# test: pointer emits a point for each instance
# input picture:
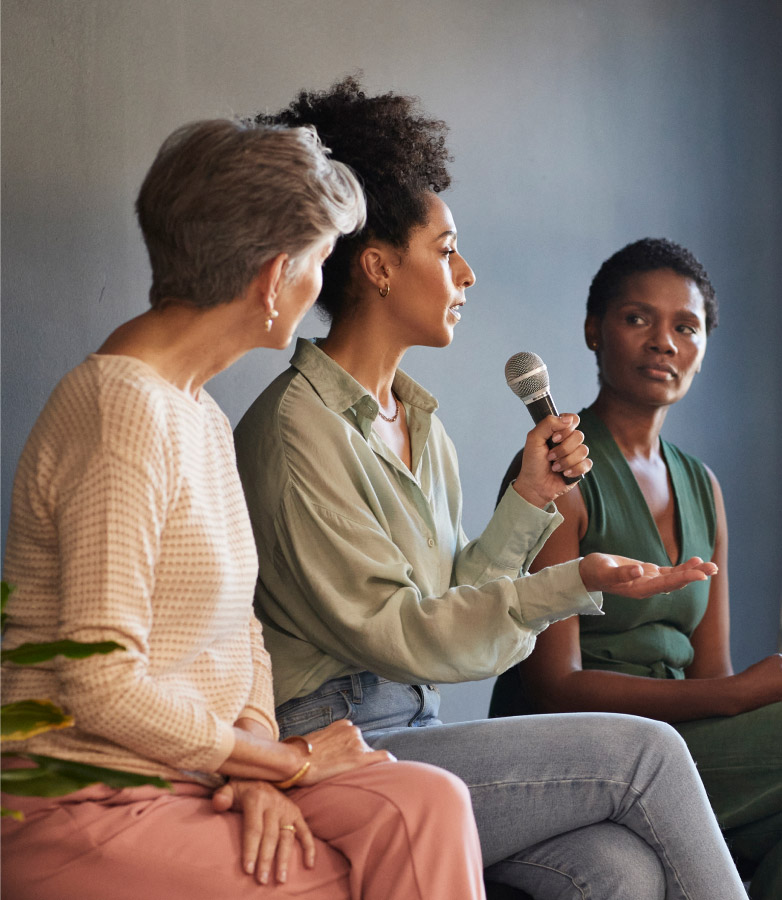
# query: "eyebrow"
(639, 304)
(448, 232)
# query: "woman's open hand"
(540, 479)
(632, 578)
(271, 824)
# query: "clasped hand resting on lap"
(271, 820)
(270, 823)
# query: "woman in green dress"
(650, 309)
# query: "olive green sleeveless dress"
(739, 757)
(644, 637)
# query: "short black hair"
(647, 255)
(399, 155)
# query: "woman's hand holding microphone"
(543, 468)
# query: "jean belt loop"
(358, 691)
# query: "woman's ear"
(376, 264)
(592, 333)
(269, 280)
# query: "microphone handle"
(539, 409)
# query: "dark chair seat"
(495, 891)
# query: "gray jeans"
(569, 807)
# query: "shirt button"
(430, 542)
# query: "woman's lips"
(658, 373)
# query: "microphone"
(527, 377)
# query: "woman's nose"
(465, 276)
(662, 341)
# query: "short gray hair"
(223, 197)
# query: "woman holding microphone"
(369, 591)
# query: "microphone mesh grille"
(518, 366)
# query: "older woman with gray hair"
(129, 525)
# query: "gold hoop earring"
(384, 290)
(273, 313)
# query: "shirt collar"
(341, 392)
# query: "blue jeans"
(569, 807)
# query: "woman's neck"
(635, 429)
(367, 355)
(183, 344)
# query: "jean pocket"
(312, 715)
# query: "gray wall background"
(576, 126)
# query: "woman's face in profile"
(652, 338)
(428, 285)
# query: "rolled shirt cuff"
(263, 718)
(517, 531)
(555, 593)
(224, 747)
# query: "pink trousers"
(390, 831)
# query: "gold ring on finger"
(288, 828)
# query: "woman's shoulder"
(102, 413)
(287, 433)
(596, 432)
(136, 404)
(121, 404)
(697, 490)
(288, 410)
(689, 459)
(98, 386)
(691, 467)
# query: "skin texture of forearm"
(667, 700)
(337, 748)
(257, 755)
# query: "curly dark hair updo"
(647, 255)
(399, 156)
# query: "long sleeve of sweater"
(129, 524)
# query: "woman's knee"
(427, 801)
(650, 735)
(605, 860)
(422, 782)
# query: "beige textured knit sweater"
(129, 524)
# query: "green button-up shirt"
(364, 565)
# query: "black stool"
(496, 891)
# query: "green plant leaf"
(5, 593)
(40, 782)
(26, 718)
(13, 813)
(53, 777)
(30, 654)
